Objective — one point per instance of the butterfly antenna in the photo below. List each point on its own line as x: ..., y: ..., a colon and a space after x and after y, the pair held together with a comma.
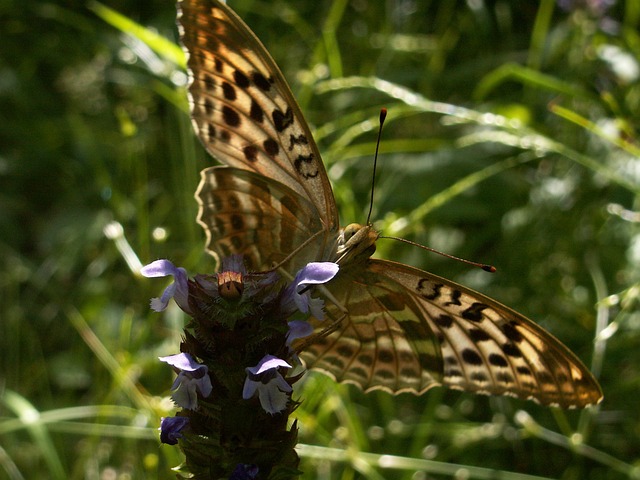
x: 383, y: 116
x: 483, y: 266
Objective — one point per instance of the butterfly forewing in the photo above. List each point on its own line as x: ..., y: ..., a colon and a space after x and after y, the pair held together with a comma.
x: 389, y: 326
x: 242, y: 108
x: 489, y: 348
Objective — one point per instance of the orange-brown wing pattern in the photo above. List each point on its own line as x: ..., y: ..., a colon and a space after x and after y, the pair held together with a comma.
x: 409, y: 330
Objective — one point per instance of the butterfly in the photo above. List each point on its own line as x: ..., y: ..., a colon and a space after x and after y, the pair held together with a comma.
x: 395, y: 327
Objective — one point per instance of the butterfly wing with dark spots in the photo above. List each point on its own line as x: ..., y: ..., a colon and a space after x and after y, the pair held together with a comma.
x: 243, y: 110
x: 252, y: 215
x: 382, y: 343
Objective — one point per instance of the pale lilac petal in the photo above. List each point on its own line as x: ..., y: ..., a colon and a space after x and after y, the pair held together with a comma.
x: 249, y: 389
x: 316, y: 306
x: 272, y: 399
x: 159, y: 304
x: 183, y: 361
x: 316, y: 273
x: 178, y: 290
x: 186, y: 395
x: 159, y: 268
x: 282, y: 384
x: 297, y: 292
x: 268, y: 362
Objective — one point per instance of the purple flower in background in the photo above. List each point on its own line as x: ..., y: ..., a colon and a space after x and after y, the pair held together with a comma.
x: 192, y: 377
x: 178, y: 290
x: 271, y: 387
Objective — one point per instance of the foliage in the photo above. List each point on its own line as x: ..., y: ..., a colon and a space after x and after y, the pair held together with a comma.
x: 511, y: 139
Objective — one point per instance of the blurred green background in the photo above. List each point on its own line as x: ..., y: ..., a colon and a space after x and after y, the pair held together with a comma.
x: 512, y: 139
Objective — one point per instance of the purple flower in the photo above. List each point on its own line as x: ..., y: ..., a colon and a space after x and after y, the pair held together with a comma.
x: 265, y: 380
x: 170, y: 429
x: 244, y: 471
x: 192, y: 377
x: 315, y: 273
x: 298, y: 329
x: 178, y: 290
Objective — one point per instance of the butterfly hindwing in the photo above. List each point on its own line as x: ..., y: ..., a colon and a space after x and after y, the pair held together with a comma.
x: 463, y: 339
x: 249, y: 214
x: 381, y: 341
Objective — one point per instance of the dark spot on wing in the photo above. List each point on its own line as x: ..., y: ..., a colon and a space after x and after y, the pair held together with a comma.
x: 271, y: 147
x: 230, y: 116
x: 471, y: 357
x: 228, y: 91
x: 240, y: 79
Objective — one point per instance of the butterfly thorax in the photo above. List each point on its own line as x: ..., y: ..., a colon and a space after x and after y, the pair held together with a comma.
x: 356, y: 243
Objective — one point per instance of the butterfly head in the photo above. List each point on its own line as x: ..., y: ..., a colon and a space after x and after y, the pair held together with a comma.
x: 356, y: 242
